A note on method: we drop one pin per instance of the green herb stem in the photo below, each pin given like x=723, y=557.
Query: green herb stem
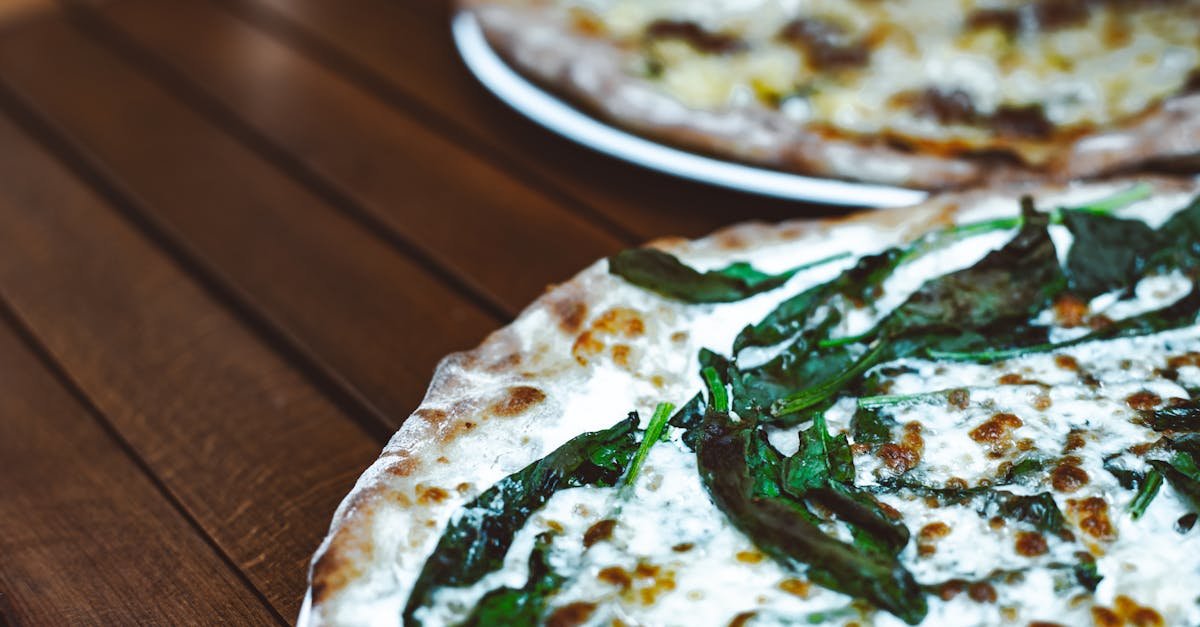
x=1146, y=493
x=719, y=396
x=811, y=396
x=653, y=433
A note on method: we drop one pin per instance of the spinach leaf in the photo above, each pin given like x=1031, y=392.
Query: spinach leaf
x=664, y=273
x=1188, y=488
x=1039, y=510
x=1185, y=417
x=856, y=285
x=1180, y=247
x=1108, y=253
x=730, y=458
x=1006, y=287
x=688, y=418
x=520, y=606
x=1179, y=314
x=870, y=426
x=480, y=534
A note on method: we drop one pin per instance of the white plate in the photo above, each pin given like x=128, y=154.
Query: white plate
x=560, y=117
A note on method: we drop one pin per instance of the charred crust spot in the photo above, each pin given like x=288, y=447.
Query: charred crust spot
x=599, y=532
x=982, y=592
x=621, y=321
x=459, y=428
x=570, y=314
x=826, y=45
x=403, y=465
x=996, y=433
x=434, y=417
x=517, y=400
x=796, y=587
x=947, y=107
x=695, y=36
x=427, y=495
x=959, y=398
x=571, y=614
x=331, y=572
x=616, y=576
x=1143, y=400
x=1031, y=544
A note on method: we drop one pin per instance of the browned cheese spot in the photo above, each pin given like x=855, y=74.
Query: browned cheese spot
x=1134, y=614
x=1075, y=441
x=1031, y=544
x=741, y=619
x=928, y=537
x=1143, y=400
x=996, y=433
x=517, y=400
x=959, y=398
x=1007, y=21
x=1066, y=362
x=571, y=614
x=749, y=557
x=796, y=587
x=1186, y=359
x=951, y=589
x=1070, y=311
x=1068, y=477
x=1104, y=617
x=1091, y=516
x=683, y=547
x=586, y=23
x=695, y=36
x=1057, y=14
x=616, y=576
x=826, y=45
x=982, y=592
x=599, y=532
x=1042, y=402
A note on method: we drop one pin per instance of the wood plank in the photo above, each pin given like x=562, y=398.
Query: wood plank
x=404, y=50
x=462, y=211
x=369, y=316
x=87, y=537
x=254, y=453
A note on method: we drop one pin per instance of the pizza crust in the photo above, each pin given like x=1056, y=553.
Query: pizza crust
x=542, y=43
x=492, y=410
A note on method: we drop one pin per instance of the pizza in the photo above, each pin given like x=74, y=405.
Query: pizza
x=982, y=410
x=923, y=93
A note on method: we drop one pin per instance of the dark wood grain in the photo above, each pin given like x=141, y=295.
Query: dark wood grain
x=247, y=446
x=372, y=318
x=470, y=216
x=404, y=49
x=75, y=506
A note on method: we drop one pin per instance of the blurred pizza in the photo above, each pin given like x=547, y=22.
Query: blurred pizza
x=931, y=94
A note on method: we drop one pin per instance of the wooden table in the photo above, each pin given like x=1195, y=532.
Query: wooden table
x=235, y=238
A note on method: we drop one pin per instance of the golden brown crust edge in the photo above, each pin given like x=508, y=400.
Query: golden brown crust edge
x=485, y=397
x=589, y=70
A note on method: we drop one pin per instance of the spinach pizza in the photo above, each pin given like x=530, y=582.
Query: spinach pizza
x=982, y=410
